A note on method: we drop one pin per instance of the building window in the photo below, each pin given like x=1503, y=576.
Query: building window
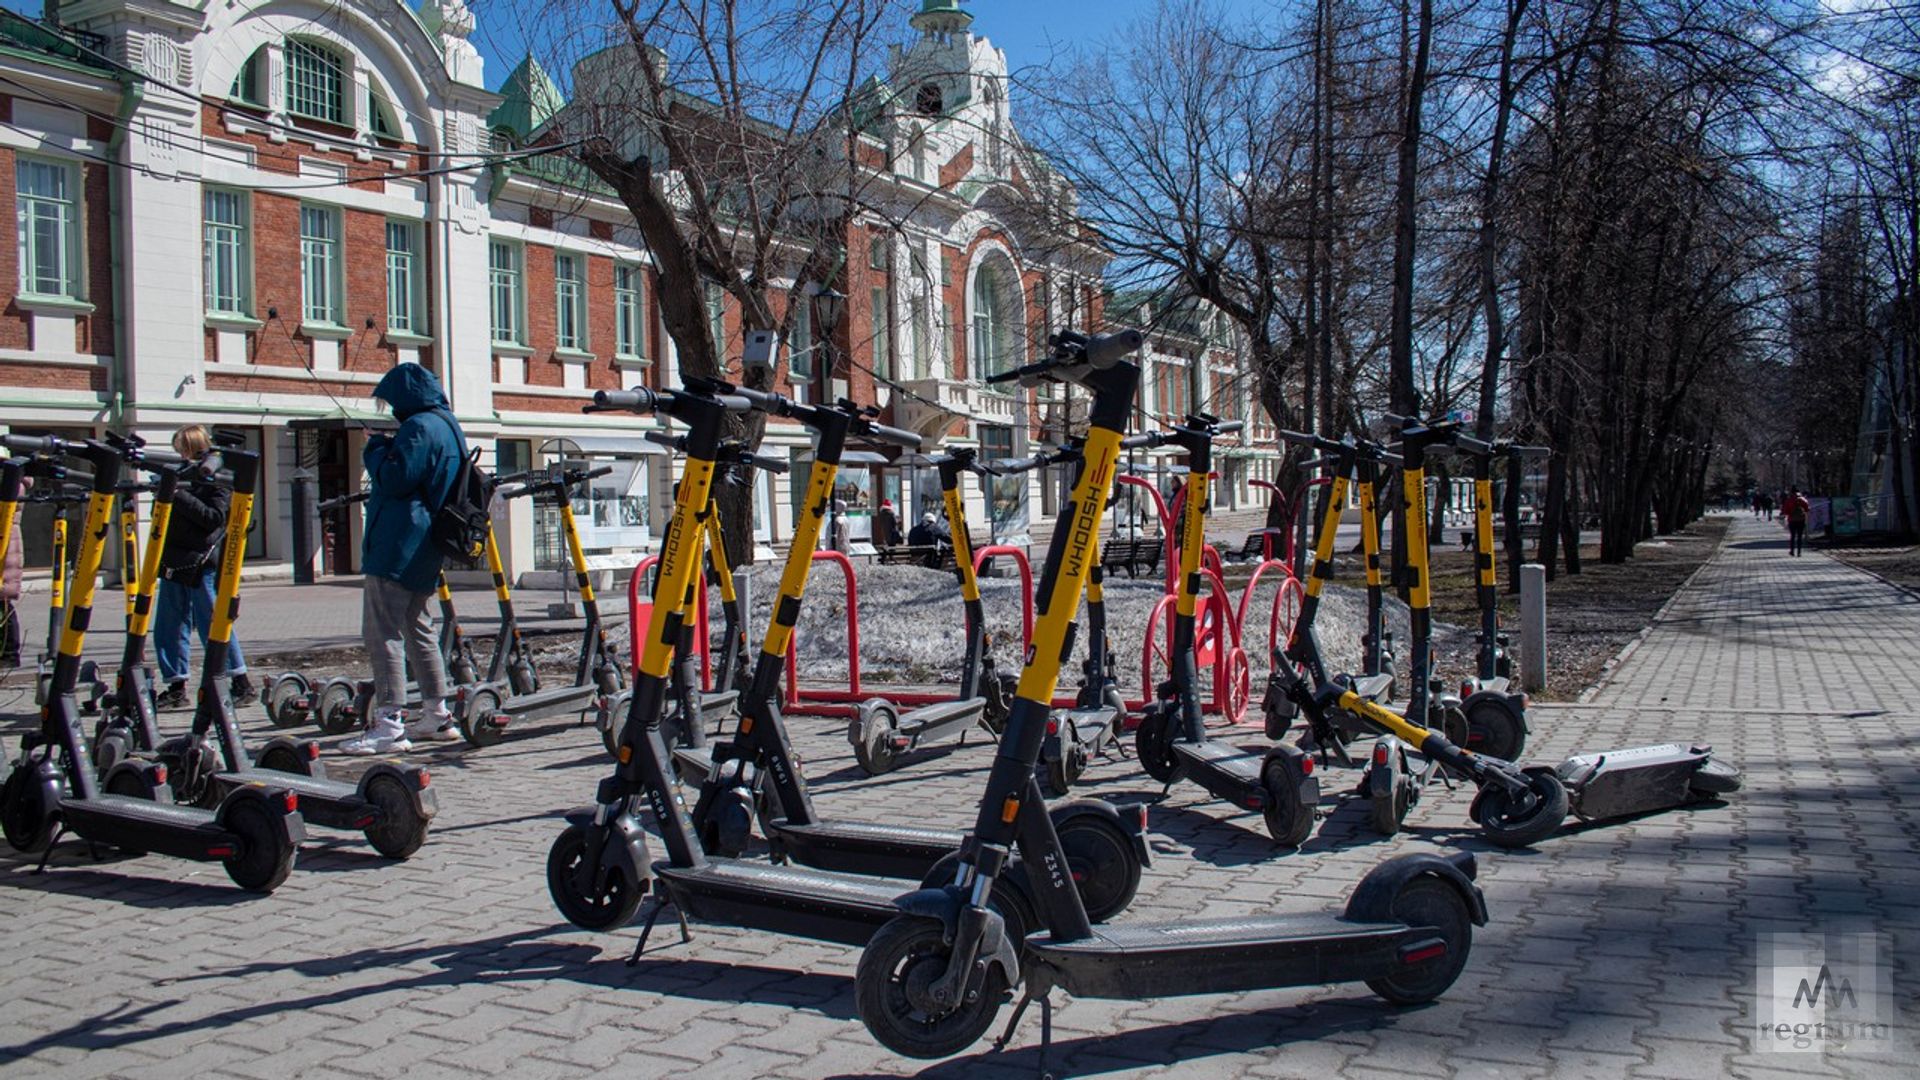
x=569, y=303
x=922, y=338
x=404, y=309
x=380, y=119
x=246, y=83
x=989, y=329
x=800, y=338
x=316, y=81
x=504, y=282
x=882, y=357
x=629, y=320
x=227, y=252
x=877, y=251
x=717, y=319
x=49, y=224
x=320, y=266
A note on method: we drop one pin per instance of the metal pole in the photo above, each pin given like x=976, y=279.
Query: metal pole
x=303, y=522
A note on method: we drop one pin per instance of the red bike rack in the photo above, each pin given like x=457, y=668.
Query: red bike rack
x=640, y=610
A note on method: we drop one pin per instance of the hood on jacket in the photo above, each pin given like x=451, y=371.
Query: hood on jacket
x=410, y=389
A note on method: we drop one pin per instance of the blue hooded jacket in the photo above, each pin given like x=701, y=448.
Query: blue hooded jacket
x=410, y=475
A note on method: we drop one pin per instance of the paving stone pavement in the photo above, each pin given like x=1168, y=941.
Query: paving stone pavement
x=1623, y=950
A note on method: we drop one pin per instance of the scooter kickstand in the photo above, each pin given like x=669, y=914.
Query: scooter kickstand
x=58, y=832
x=1046, y=1029
x=646, y=929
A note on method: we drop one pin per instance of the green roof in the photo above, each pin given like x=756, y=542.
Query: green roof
x=530, y=99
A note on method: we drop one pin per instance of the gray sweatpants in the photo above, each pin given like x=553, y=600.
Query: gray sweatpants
x=397, y=633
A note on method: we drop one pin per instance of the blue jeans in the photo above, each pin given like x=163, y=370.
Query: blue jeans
x=179, y=607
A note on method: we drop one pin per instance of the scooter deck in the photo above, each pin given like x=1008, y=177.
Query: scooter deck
x=1213, y=956
x=183, y=832
x=859, y=847
x=1228, y=772
x=1639, y=780
x=541, y=704
x=802, y=903
x=943, y=718
x=334, y=804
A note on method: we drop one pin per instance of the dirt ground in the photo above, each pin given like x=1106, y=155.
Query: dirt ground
x=1898, y=564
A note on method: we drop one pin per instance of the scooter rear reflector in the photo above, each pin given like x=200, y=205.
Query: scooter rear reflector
x=221, y=851
x=159, y=774
x=292, y=802
x=422, y=782
x=1379, y=753
x=1009, y=810
x=363, y=822
x=1420, y=954
x=1306, y=766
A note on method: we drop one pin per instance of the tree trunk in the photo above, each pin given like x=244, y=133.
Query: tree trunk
x=1403, y=390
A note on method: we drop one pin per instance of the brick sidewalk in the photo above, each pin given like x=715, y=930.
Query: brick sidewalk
x=1620, y=950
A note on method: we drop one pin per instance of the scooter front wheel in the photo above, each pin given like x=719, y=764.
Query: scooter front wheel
x=1513, y=820
x=1714, y=778
x=1495, y=728
x=1426, y=901
x=891, y=992
x=1152, y=743
x=266, y=854
x=872, y=737
x=401, y=828
x=590, y=905
x=26, y=812
x=286, y=689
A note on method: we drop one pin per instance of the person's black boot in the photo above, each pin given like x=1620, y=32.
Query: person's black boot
x=242, y=691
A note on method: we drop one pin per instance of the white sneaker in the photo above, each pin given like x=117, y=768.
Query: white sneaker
x=434, y=728
x=379, y=739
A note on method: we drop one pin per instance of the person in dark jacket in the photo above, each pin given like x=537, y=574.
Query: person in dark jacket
x=886, y=525
x=189, y=563
x=410, y=475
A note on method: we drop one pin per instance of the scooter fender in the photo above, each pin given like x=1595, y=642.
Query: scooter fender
x=1499, y=698
x=1372, y=899
x=946, y=904
x=1298, y=763
x=301, y=749
x=1382, y=779
x=1129, y=819
x=626, y=841
x=149, y=776
x=275, y=799
x=412, y=778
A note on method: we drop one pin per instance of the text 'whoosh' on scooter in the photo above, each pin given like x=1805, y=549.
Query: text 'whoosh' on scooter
x=340, y=704
x=1172, y=741
x=756, y=770
x=254, y=832
x=485, y=712
x=934, y=978
x=391, y=803
x=880, y=731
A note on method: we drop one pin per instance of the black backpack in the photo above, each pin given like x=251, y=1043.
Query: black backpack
x=459, y=526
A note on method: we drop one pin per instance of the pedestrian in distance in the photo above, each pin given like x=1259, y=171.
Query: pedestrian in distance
x=1795, y=509
x=886, y=525
x=410, y=475
x=189, y=565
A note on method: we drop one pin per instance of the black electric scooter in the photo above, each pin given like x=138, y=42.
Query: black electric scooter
x=392, y=804
x=756, y=770
x=598, y=868
x=486, y=710
x=65, y=492
x=254, y=832
x=1172, y=741
x=935, y=977
x=881, y=733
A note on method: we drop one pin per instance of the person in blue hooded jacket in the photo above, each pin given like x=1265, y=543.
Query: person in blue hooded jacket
x=410, y=474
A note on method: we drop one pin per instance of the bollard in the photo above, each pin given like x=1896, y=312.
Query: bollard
x=304, y=533
x=1533, y=627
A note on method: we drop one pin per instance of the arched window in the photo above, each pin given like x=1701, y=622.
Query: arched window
x=992, y=347
x=928, y=101
x=316, y=82
x=247, y=82
x=380, y=119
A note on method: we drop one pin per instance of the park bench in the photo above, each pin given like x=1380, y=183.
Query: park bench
x=1137, y=556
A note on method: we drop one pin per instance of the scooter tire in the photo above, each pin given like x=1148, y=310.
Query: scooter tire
x=613, y=722
x=266, y=855
x=1427, y=901
x=333, y=709
x=1714, y=778
x=872, y=738
x=898, y=962
x=282, y=759
x=1289, y=819
x=1385, y=811
x=1547, y=814
x=25, y=818
x=1152, y=743
x=1102, y=863
x=280, y=698
x=1496, y=729
x=111, y=747
x=401, y=828
x=586, y=906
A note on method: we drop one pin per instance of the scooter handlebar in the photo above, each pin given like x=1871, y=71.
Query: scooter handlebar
x=341, y=502
x=897, y=436
x=1472, y=445
x=38, y=444
x=640, y=400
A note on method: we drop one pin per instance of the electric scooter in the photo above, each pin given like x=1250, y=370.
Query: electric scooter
x=485, y=711
x=598, y=868
x=392, y=804
x=879, y=731
x=66, y=493
x=339, y=704
x=254, y=831
x=756, y=770
x=934, y=978
x=1092, y=726
x=1172, y=741
x=1496, y=713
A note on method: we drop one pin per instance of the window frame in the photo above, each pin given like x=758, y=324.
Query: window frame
x=517, y=283
x=342, y=107
x=570, y=302
x=416, y=278
x=629, y=311
x=882, y=313
x=242, y=251
x=336, y=271
x=72, y=254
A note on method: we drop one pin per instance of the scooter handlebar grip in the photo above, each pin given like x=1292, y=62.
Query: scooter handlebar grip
x=763, y=400
x=766, y=464
x=35, y=444
x=601, y=471
x=327, y=506
x=1105, y=350
x=1472, y=445
x=638, y=401
x=1144, y=439
x=894, y=435
x=1230, y=427
x=738, y=401
x=1531, y=451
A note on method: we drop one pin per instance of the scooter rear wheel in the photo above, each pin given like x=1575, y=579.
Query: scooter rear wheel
x=1386, y=810
x=282, y=758
x=585, y=904
x=1714, y=778
x=889, y=992
x=1511, y=822
x=476, y=720
x=1427, y=901
x=111, y=746
x=401, y=828
x=266, y=855
x=1152, y=743
x=872, y=737
x=1289, y=819
x=333, y=709
x=25, y=817
x=1101, y=861
x=1496, y=729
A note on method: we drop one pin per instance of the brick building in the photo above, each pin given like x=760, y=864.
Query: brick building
x=244, y=214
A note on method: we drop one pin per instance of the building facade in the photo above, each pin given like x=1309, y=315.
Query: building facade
x=243, y=215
